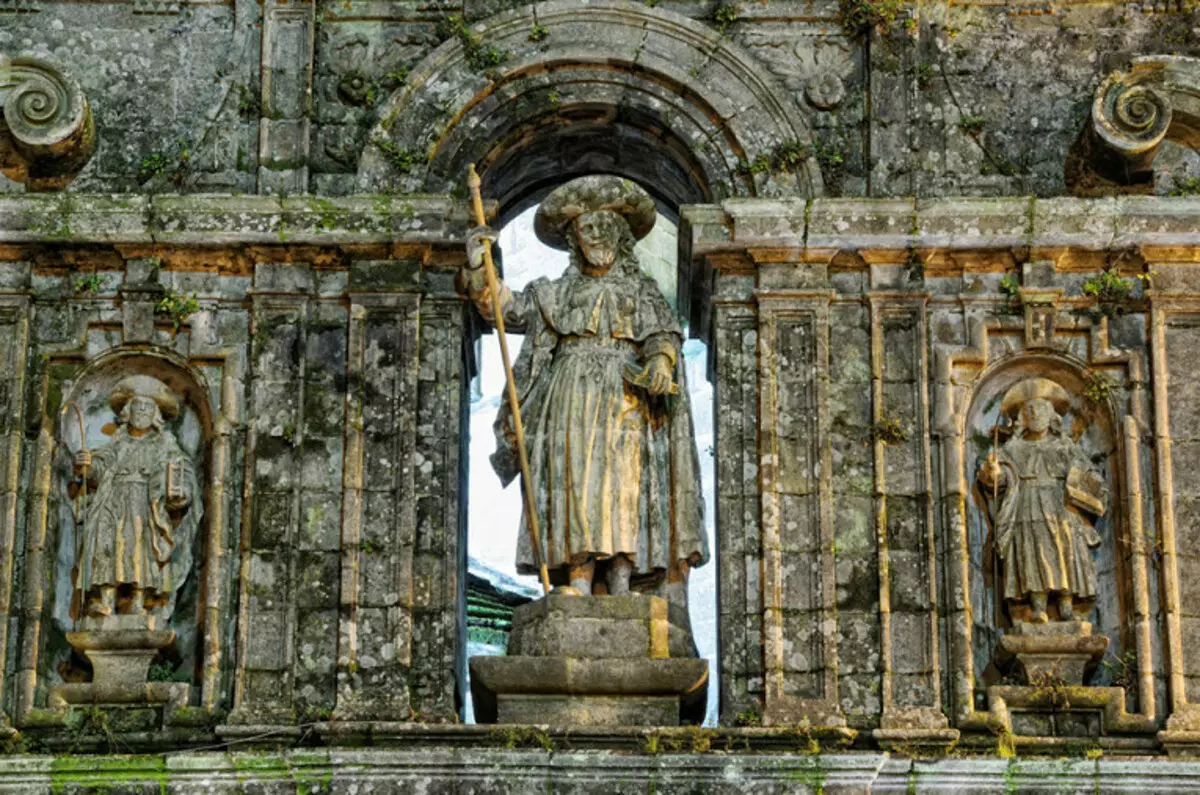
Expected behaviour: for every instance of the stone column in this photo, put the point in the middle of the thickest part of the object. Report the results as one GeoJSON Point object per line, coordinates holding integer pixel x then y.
{"type": "Point", "coordinates": [379, 510]}
{"type": "Point", "coordinates": [799, 589]}
{"type": "Point", "coordinates": [908, 634]}
{"type": "Point", "coordinates": [14, 338]}
{"type": "Point", "coordinates": [274, 499]}
{"type": "Point", "coordinates": [739, 601]}
{"type": "Point", "coordinates": [440, 489]}
{"type": "Point", "coordinates": [1174, 341]}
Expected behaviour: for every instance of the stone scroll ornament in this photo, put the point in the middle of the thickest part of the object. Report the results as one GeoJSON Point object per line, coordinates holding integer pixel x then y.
{"type": "Point", "coordinates": [1046, 497]}
{"type": "Point", "coordinates": [1133, 112]}
{"type": "Point", "coordinates": [138, 506]}
{"type": "Point", "coordinates": [47, 134]}
{"type": "Point", "coordinates": [607, 418]}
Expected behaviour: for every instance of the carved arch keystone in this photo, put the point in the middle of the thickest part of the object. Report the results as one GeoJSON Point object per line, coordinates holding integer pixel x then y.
{"type": "Point", "coordinates": [47, 134]}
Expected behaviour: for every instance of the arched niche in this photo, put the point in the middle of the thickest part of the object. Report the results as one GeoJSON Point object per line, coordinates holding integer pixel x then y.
{"type": "Point", "coordinates": [1093, 428]}
{"type": "Point", "coordinates": [193, 428]}
{"type": "Point", "coordinates": [607, 87]}
{"type": "Point", "coordinates": [203, 428]}
{"type": "Point", "coordinates": [1109, 409]}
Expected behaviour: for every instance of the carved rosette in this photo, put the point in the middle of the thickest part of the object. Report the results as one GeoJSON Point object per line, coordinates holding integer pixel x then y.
{"type": "Point", "coordinates": [48, 134]}
{"type": "Point", "coordinates": [1133, 112]}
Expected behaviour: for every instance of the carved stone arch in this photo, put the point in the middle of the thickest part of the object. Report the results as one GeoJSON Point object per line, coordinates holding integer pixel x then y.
{"type": "Point", "coordinates": [1133, 112]}
{"type": "Point", "coordinates": [608, 87]}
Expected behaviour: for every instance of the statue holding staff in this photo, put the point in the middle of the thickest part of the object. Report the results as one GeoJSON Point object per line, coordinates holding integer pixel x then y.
{"type": "Point", "coordinates": [613, 467]}
{"type": "Point", "coordinates": [1048, 497]}
{"type": "Point", "coordinates": [143, 507]}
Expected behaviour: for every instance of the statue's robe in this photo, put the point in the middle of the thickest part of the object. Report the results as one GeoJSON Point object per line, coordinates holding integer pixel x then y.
{"type": "Point", "coordinates": [614, 469]}
{"type": "Point", "coordinates": [1041, 534]}
{"type": "Point", "coordinates": [129, 533]}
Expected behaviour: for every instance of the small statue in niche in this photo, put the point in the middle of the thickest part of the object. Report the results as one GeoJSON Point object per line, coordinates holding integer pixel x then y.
{"type": "Point", "coordinates": [1048, 496]}
{"type": "Point", "coordinates": [606, 412]}
{"type": "Point", "coordinates": [143, 505]}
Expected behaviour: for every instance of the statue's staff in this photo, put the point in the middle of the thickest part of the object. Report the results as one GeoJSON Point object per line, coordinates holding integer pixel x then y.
{"type": "Point", "coordinates": [80, 494]}
{"type": "Point", "coordinates": [493, 285]}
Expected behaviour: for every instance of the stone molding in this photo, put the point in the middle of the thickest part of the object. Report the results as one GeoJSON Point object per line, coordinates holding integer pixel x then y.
{"type": "Point", "coordinates": [48, 134]}
{"type": "Point", "coordinates": [1133, 112]}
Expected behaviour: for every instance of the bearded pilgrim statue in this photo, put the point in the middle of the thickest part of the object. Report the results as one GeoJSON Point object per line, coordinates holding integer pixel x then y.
{"type": "Point", "coordinates": [608, 423]}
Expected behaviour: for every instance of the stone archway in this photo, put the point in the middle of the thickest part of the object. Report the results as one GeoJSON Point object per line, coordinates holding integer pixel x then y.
{"type": "Point", "coordinates": [611, 87]}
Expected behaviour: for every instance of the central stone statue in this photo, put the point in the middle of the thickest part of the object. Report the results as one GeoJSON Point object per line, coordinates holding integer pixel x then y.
{"type": "Point", "coordinates": [613, 463]}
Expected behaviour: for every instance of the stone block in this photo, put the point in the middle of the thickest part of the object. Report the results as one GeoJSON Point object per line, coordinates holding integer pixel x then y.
{"type": "Point", "coordinates": [560, 711]}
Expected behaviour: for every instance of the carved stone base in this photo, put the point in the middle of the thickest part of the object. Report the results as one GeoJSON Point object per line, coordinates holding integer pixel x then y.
{"type": "Point", "coordinates": [120, 648]}
{"type": "Point", "coordinates": [1054, 652]}
{"type": "Point", "coordinates": [1181, 737]}
{"type": "Point", "coordinates": [915, 728]}
{"type": "Point", "coordinates": [594, 661]}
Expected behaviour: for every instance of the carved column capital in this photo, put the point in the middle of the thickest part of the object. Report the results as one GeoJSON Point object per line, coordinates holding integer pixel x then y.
{"type": "Point", "coordinates": [1133, 112]}
{"type": "Point", "coordinates": [47, 134]}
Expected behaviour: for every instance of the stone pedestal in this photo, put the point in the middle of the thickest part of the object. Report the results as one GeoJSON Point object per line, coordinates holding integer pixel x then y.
{"type": "Point", "coordinates": [120, 648]}
{"type": "Point", "coordinates": [1054, 652]}
{"type": "Point", "coordinates": [594, 661]}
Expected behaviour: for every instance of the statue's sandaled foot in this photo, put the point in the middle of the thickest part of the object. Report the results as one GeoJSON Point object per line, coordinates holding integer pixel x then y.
{"type": "Point", "coordinates": [1066, 609]}
{"type": "Point", "coordinates": [1037, 613]}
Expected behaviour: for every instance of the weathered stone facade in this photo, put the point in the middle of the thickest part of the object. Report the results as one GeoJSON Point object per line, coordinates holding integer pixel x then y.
{"type": "Point", "coordinates": [262, 208]}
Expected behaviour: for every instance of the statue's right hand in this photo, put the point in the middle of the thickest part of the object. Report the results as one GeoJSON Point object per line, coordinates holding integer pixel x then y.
{"type": "Point", "coordinates": [83, 460]}
{"type": "Point", "coordinates": [477, 242]}
{"type": "Point", "coordinates": [995, 473]}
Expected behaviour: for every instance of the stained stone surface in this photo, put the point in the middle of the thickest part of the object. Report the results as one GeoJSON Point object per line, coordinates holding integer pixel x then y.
{"type": "Point", "coordinates": [875, 243]}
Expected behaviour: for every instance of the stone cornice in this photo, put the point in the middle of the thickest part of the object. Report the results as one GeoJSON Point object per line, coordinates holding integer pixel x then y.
{"type": "Point", "coordinates": [821, 228]}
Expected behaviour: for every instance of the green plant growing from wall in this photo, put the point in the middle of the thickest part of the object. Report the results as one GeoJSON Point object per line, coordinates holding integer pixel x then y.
{"type": "Point", "coordinates": [478, 56]}
{"type": "Point", "coordinates": [1010, 288]}
{"type": "Point", "coordinates": [723, 16]}
{"type": "Point", "coordinates": [1111, 291]}
{"type": "Point", "coordinates": [177, 306]}
{"type": "Point", "coordinates": [1097, 387]}
{"type": "Point", "coordinates": [174, 162]}
{"type": "Point", "coordinates": [971, 125]}
{"type": "Point", "coordinates": [539, 32]}
{"type": "Point", "coordinates": [249, 104]}
{"type": "Point", "coordinates": [89, 284]}
{"type": "Point", "coordinates": [889, 431]}
{"type": "Point", "coordinates": [860, 17]}
{"type": "Point", "coordinates": [790, 156]}
{"type": "Point", "coordinates": [1189, 186]}
{"type": "Point", "coordinates": [398, 157]}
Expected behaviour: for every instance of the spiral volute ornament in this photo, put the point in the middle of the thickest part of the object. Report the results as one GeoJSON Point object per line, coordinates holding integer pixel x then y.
{"type": "Point", "coordinates": [1131, 117]}
{"type": "Point", "coordinates": [50, 133]}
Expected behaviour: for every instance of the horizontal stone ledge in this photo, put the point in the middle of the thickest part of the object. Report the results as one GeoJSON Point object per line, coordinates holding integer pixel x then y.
{"type": "Point", "coordinates": [965, 223]}
{"type": "Point", "coordinates": [212, 220]}
{"type": "Point", "coordinates": [818, 225]}
{"type": "Point", "coordinates": [533, 770]}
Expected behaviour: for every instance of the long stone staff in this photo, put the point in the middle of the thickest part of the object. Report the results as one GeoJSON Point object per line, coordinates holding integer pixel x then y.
{"type": "Point", "coordinates": [80, 497]}
{"type": "Point", "coordinates": [489, 272]}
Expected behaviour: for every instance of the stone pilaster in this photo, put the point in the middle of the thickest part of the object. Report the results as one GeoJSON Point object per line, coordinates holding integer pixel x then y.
{"type": "Point", "coordinates": [287, 65]}
{"type": "Point", "coordinates": [439, 556]}
{"type": "Point", "coordinates": [378, 534]}
{"type": "Point", "coordinates": [739, 601]}
{"type": "Point", "coordinates": [14, 336]}
{"type": "Point", "coordinates": [273, 496]}
{"type": "Point", "coordinates": [799, 579]}
{"type": "Point", "coordinates": [903, 496]}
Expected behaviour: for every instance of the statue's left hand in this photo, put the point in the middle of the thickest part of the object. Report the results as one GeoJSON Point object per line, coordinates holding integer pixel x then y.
{"type": "Point", "coordinates": [657, 375]}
